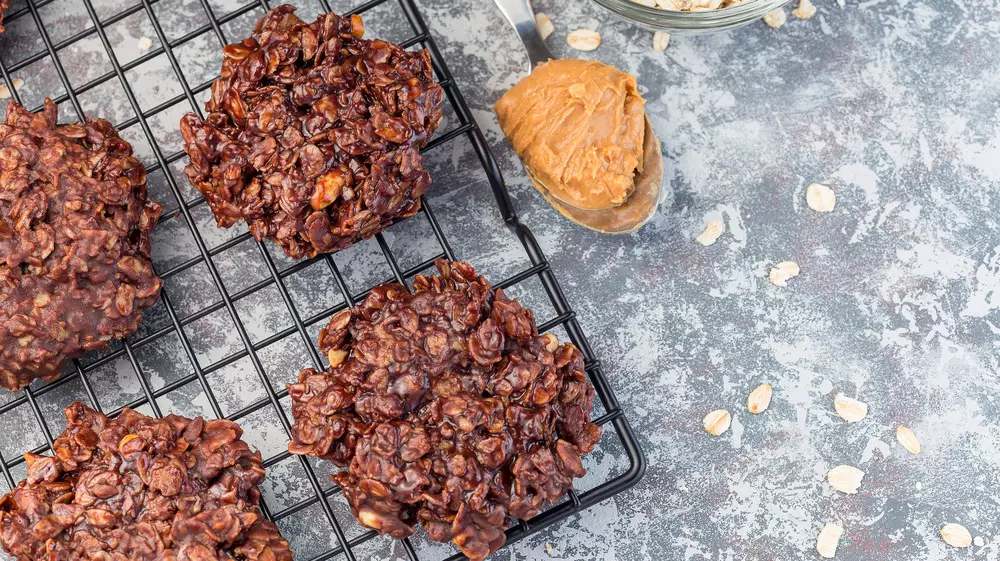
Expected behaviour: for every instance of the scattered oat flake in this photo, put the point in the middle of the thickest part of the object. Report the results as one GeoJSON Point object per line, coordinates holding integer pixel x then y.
{"type": "Point", "coordinates": [956, 535]}
{"type": "Point", "coordinates": [145, 43]}
{"type": "Point", "coordinates": [545, 26]}
{"type": "Point", "coordinates": [717, 422]}
{"type": "Point", "coordinates": [826, 542]}
{"type": "Point", "coordinates": [805, 10]}
{"type": "Point", "coordinates": [548, 548]}
{"type": "Point", "coordinates": [660, 41]}
{"type": "Point", "coordinates": [820, 198]}
{"type": "Point", "coordinates": [846, 479]}
{"type": "Point", "coordinates": [906, 437]}
{"type": "Point", "coordinates": [759, 399]}
{"type": "Point", "coordinates": [584, 39]}
{"type": "Point", "coordinates": [776, 18]}
{"type": "Point", "coordinates": [5, 91]}
{"type": "Point", "coordinates": [849, 409]}
{"type": "Point", "coordinates": [782, 272]}
{"type": "Point", "coordinates": [713, 230]}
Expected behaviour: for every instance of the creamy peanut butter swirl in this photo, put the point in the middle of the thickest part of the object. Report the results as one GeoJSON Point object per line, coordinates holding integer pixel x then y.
{"type": "Point", "coordinates": [578, 127]}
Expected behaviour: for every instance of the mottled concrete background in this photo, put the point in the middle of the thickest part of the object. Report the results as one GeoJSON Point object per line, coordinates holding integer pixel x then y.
{"type": "Point", "coordinates": [893, 103]}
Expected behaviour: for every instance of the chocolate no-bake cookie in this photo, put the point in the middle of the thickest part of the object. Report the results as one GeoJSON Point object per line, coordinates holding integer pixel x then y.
{"type": "Point", "coordinates": [74, 242]}
{"type": "Point", "coordinates": [313, 133]}
{"type": "Point", "coordinates": [136, 488]}
{"type": "Point", "coordinates": [447, 408]}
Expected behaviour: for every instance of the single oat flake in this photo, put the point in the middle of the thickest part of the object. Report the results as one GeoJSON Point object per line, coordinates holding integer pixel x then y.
{"type": "Point", "coordinates": [584, 39]}
{"type": "Point", "coordinates": [660, 41]}
{"type": "Point", "coordinates": [545, 26]}
{"type": "Point", "coordinates": [850, 410]}
{"type": "Point", "coordinates": [776, 18]}
{"type": "Point", "coordinates": [717, 422]}
{"type": "Point", "coordinates": [805, 10]}
{"type": "Point", "coordinates": [713, 230]}
{"type": "Point", "coordinates": [906, 437]}
{"type": "Point", "coordinates": [820, 197]}
{"type": "Point", "coordinates": [826, 542]}
{"type": "Point", "coordinates": [145, 43]}
{"type": "Point", "coordinates": [782, 272]}
{"type": "Point", "coordinates": [759, 399]}
{"type": "Point", "coordinates": [846, 479]}
{"type": "Point", "coordinates": [956, 535]}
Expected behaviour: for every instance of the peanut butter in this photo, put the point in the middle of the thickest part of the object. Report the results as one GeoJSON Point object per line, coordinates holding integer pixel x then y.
{"type": "Point", "coordinates": [578, 127]}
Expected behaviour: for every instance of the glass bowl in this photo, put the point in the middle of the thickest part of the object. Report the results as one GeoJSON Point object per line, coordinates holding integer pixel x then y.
{"type": "Point", "coordinates": [690, 23]}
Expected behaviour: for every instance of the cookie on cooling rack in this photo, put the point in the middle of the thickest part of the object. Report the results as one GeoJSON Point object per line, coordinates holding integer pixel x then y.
{"type": "Point", "coordinates": [141, 489]}
{"type": "Point", "coordinates": [447, 408]}
{"type": "Point", "coordinates": [313, 133]}
{"type": "Point", "coordinates": [74, 242]}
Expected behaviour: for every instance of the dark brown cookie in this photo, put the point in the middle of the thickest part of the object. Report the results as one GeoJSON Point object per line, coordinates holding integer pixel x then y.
{"type": "Point", "coordinates": [447, 408]}
{"type": "Point", "coordinates": [74, 242]}
{"type": "Point", "coordinates": [313, 133]}
{"type": "Point", "coordinates": [137, 488]}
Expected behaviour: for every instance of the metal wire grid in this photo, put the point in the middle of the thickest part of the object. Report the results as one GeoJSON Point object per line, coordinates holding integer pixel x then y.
{"type": "Point", "coordinates": [467, 127]}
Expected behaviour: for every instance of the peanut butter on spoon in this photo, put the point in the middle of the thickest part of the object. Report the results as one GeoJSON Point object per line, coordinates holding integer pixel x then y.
{"type": "Point", "coordinates": [579, 128]}
{"type": "Point", "coordinates": [634, 212]}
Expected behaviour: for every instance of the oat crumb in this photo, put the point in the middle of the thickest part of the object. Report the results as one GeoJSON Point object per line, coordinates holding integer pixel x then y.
{"type": "Point", "coordinates": [145, 43]}
{"type": "Point", "coordinates": [584, 39]}
{"type": "Point", "coordinates": [545, 25]}
{"type": "Point", "coordinates": [805, 10]}
{"type": "Point", "coordinates": [660, 41]}
{"type": "Point", "coordinates": [713, 230]}
{"type": "Point", "coordinates": [776, 18]}
{"type": "Point", "coordinates": [820, 198]}
{"type": "Point", "coordinates": [782, 272]}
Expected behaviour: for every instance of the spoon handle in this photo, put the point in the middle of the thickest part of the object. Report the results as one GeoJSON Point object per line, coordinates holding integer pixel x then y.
{"type": "Point", "coordinates": [521, 17]}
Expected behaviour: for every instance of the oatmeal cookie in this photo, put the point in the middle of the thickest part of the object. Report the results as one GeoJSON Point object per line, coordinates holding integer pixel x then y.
{"type": "Point", "coordinates": [313, 133]}
{"type": "Point", "coordinates": [447, 408]}
{"type": "Point", "coordinates": [74, 242]}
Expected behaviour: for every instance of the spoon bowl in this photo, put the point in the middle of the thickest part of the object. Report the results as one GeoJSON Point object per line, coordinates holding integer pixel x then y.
{"type": "Point", "coordinates": [635, 211]}
{"type": "Point", "coordinates": [645, 198]}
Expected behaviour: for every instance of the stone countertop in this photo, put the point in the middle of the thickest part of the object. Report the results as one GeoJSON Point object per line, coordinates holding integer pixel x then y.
{"type": "Point", "coordinates": [893, 103]}
{"type": "Point", "coordinates": [896, 106]}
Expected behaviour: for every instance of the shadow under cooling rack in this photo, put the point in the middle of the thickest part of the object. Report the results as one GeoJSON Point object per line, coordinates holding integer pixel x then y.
{"type": "Point", "coordinates": [238, 319]}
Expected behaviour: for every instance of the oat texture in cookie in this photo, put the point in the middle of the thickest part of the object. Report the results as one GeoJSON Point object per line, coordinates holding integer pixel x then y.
{"type": "Point", "coordinates": [447, 409]}
{"type": "Point", "coordinates": [75, 223]}
{"type": "Point", "coordinates": [313, 133]}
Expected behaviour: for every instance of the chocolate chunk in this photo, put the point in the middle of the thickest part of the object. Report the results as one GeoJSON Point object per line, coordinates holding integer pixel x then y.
{"type": "Point", "coordinates": [313, 134]}
{"type": "Point", "coordinates": [74, 242]}
{"type": "Point", "coordinates": [447, 408]}
{"type": "Point", "coordinates": [141, 489]}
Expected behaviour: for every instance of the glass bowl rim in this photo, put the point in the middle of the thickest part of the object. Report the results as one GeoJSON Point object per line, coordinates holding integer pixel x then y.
{"type": "Point", "coordinates": [701, 20]}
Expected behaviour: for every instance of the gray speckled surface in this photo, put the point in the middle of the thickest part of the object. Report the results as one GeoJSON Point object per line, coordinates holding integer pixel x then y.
{"type": "Point", "coordinates": [893, 103]}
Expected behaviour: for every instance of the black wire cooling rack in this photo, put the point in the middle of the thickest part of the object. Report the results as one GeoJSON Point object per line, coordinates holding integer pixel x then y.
{"type": "Point", "coordinates": [82, 371]}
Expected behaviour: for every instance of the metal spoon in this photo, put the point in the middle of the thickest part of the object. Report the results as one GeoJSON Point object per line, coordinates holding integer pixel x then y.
{"type": "Point", "coordinates": [641, 205]}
